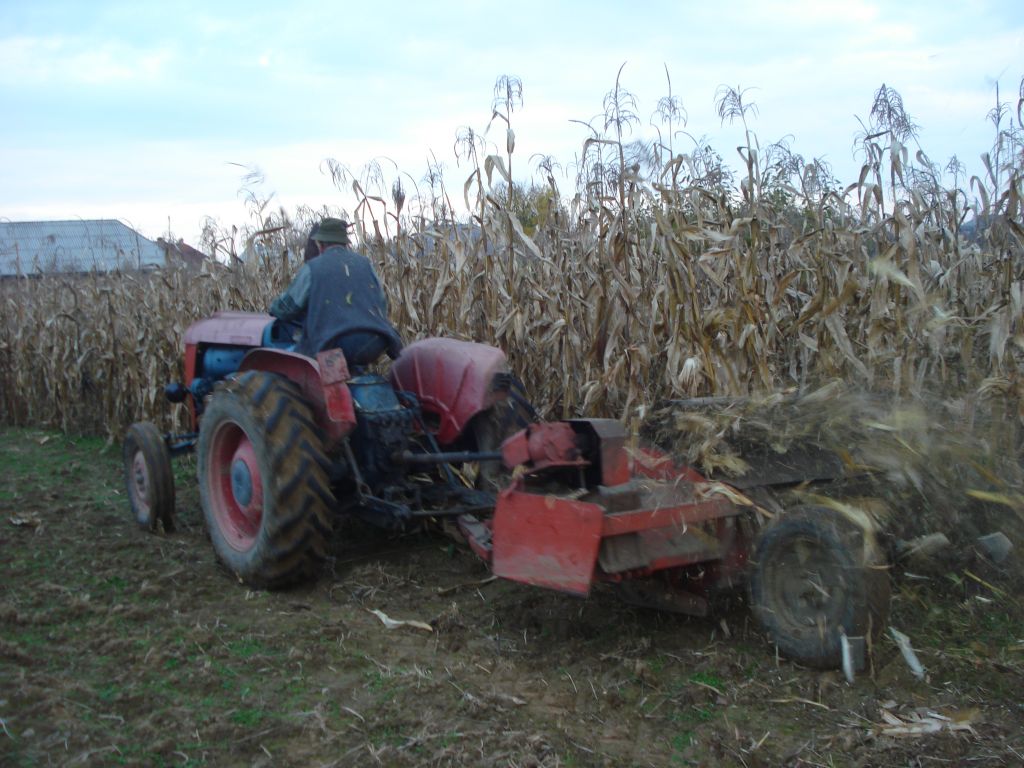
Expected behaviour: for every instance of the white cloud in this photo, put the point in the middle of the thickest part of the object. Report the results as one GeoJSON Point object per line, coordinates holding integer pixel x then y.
{"type": "Point", "coordinates": [831, 12]}
{"type": "Point", "coordinates": [36, 61]}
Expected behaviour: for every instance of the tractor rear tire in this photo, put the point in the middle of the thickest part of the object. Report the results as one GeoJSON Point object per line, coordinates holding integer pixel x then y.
{"type": "Point", "coordinates": [816, 574]}
{"type": "Point", "coordinates": [149, 478]}
{"type": "Point", "coordinates": [263, 481]}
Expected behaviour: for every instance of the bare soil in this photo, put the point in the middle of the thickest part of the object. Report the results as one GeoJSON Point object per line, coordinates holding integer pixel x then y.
{"type": "Point", "coordinates": [120, 647]}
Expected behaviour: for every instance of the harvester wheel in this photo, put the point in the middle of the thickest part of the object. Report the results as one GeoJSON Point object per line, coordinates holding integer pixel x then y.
{"type": "Point", "coordinates": [149, 479]}
{"type": "Point", "coordinates": [816, 574]}
{"type": "Point", "coordinates": [263, 481]}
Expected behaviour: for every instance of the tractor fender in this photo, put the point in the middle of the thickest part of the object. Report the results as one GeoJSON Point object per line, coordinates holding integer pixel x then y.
{"type": "Point", "coordinates": [322, 383]}
{"type": "Point", "coordinates": [454, 380]}
{"type": "Point", "coordinates": [233, 328]}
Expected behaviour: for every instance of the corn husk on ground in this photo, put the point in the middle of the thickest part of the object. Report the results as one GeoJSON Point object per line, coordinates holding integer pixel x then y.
{"type": "Point", "coordinates": [662, 278]}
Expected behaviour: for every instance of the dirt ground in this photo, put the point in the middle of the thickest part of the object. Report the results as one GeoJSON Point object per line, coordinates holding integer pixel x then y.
{"type": "Point", "coordinates": [119, 647]}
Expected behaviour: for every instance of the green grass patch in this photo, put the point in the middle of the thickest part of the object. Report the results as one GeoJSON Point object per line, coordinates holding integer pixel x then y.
{"type": "Point", "coordinates": [117, 584]}
{"type": "Point", "coordinates": [693, 715]}
{"type": "Point", "coordinates": [108, 693]}
{"type": "Point", "coordinates": [28, 638]}
{"type": "Point", "coordinates": [73, 469]}
{"type": "Point", "coordinates": [137, 754]}
{"type": "Point", "coordinates": [386, 736]}
{"type": "Point", "coordinates": [707, 678]}
{"type": "Point", "coordinates": [376, 680]}
{"type": "Point", "coordinates": [250, 718]}
{"type": "Point", "coordinates": [246, 648]}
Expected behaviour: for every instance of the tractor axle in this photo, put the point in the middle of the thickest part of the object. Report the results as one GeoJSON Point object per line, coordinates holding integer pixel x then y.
{"type": "Point", "coordinates": [449, 457]}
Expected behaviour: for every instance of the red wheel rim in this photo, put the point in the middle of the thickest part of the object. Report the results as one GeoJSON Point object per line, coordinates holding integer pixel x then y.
{"type": "Point", "coordinates": [139, 487]}
{"type": "Point", "coordinates": [236, 486]}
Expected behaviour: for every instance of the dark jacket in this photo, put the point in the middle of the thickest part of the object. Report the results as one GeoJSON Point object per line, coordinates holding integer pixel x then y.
{"type": "Point", "coordinates": [336, 293]}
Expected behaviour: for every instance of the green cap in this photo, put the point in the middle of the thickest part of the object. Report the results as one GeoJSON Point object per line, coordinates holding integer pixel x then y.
{"type": "Point", "coordinates": [332, 231]}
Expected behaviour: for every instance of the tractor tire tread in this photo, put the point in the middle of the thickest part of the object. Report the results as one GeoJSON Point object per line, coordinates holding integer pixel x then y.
{"type": "Point", "coordinates": [297, 507]}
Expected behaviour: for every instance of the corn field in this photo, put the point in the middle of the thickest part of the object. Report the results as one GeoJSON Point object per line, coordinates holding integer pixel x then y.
{"type": "Point", "coordinates": [660, 277]}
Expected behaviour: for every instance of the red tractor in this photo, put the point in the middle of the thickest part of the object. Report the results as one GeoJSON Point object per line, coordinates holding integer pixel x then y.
{"type": "Point", "coordinates": [286, 443]}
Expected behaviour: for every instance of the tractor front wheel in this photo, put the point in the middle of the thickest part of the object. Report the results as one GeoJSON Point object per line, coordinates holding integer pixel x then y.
{"type": "Point", "coordinates": [149, 479]}
{"type": "Point", "coordinates": [263, 481]}
{"type": "Point", "coordinates": [815, 575]}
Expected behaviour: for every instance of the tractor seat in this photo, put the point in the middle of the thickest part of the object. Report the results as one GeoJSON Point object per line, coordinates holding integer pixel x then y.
{"type": "Point", "coordinates": [361, 348]}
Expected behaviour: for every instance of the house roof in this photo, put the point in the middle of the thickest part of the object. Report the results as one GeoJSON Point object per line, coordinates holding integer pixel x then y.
{"type": "Point", "coordinates": [78, 245]}
{"type": "Point", "coordinates": [182, 253]}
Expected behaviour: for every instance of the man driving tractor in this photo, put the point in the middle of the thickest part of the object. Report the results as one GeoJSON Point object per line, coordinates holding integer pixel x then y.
{"type": "Point", "coordinates": [338, 301]}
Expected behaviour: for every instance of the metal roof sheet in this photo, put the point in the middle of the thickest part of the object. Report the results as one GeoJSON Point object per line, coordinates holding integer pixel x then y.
{"type": "Point", "coordinates": [77, 245]}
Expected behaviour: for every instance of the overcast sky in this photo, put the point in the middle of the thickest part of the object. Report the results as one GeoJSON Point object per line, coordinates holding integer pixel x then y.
{"type": "Point", "coordinates": [145, 111]}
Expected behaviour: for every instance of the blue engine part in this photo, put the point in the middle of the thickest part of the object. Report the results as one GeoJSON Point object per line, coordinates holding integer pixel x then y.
{"type": "Point", "coordinates": [218, 362]}
{"type": "Point", "coordinates": [214, 363]}
{"type": "Point", "coordinates": [200, 388]}
{"type": "Point", "coordinates": [382, 430]}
